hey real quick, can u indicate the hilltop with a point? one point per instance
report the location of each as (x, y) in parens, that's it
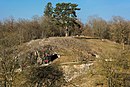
(72, 49)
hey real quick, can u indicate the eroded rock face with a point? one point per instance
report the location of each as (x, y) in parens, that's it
(72, 71)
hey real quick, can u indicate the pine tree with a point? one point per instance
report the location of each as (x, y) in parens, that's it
(65, 15)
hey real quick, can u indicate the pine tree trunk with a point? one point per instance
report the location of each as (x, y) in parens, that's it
(66, 34)
(66, 31)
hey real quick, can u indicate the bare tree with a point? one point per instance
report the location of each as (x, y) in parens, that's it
(120, 30)
(8, 65)
(99, 27)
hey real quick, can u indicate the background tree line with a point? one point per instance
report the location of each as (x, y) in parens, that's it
(117, 29)
(15, 32)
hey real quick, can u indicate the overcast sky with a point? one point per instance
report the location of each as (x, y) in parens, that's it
(102, 8)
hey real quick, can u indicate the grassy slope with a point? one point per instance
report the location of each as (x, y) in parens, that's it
(106, 48)
(101, 47)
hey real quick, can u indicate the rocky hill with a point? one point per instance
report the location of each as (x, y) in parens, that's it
(77, 56)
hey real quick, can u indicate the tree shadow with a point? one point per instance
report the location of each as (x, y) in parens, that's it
(47, 76)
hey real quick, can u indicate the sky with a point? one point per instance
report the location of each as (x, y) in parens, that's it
(28, 8)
